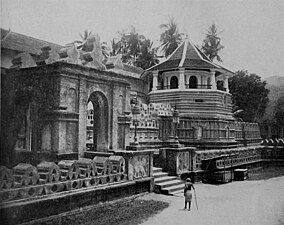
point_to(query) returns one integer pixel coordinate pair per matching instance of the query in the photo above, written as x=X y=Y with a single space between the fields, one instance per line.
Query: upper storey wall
x=197 y=103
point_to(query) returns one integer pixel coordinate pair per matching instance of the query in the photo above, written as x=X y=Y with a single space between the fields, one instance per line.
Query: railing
x=221 y=89
x=198 y=86
x=187 y=86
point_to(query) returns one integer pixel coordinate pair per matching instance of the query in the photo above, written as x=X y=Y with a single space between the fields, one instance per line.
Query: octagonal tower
x=199 y=89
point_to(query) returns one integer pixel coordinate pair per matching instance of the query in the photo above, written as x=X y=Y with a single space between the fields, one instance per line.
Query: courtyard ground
x=259 y=202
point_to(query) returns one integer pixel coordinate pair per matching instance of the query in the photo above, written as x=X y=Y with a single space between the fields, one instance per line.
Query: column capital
x=155 y=73
x=212 y=71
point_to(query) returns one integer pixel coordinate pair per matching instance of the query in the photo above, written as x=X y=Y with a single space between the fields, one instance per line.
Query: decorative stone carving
x=6 y=178
x=44 y=55
x=23 y=60
x=47 y=178
x=25 y=174
x=183 y=162
x=53 y=57
x=138 y=167
x=48 y=172
x=69 y=169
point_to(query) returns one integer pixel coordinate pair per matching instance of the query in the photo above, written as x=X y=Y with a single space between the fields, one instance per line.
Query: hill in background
x=275 y=84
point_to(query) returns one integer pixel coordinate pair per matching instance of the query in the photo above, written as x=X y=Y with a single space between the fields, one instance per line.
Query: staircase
x=165 y=184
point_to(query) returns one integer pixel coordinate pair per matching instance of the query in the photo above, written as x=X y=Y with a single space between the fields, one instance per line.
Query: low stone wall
x=247 y=132
x=70 y=184
x=236 y=156
x=274 y=150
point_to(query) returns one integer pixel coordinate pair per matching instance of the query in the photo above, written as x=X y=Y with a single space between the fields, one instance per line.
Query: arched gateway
x=98 y=121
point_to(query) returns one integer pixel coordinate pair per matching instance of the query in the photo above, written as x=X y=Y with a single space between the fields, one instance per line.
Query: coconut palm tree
x=129 y=45
x=211 y=44
x=170 y=38
x=148 y=56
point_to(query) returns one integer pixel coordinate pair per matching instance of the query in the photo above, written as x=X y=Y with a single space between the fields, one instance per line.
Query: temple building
x=76 y=124
x=61 y=102
x=199 y=89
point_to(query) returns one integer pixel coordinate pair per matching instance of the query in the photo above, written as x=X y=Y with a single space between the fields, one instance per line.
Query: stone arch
x=174 y=82
x=193 y=82
x=100 y=121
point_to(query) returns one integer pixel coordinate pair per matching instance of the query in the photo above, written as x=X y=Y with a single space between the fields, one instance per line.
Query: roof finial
x=186 y=35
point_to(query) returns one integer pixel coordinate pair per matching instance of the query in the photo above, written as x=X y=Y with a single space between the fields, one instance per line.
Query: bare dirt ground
x=237 y=203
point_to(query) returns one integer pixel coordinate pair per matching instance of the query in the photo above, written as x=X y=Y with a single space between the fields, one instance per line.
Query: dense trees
x=170 y=38
x=279 y=114
x=135 y=49
x=211 y=45
x=249 y=94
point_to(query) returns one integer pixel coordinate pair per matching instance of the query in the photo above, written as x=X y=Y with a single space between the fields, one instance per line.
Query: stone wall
x=71 y=184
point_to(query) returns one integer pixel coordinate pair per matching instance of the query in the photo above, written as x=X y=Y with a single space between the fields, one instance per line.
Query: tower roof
x=188 y=55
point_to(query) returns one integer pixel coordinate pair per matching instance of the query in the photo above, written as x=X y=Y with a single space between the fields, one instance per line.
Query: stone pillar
x=226 y=84
x=155 y=80
x=165 y=83
x=213 y=80
x=180 y=160
x=82 y=109
x=123 y=131
x=181 y=84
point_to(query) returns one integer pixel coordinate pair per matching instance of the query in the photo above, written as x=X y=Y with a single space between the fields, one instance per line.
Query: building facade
x=46 y=97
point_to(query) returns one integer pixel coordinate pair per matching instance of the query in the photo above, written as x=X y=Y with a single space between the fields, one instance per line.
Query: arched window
x=193 y=82
x=174 y=82
x=220 y=85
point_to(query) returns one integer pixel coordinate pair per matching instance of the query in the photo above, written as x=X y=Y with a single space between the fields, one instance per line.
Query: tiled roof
x=132 y=69
x=23 y=43
x=188 y=55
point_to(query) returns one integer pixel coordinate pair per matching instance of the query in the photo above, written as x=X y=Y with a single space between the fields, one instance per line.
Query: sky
x=251 y=31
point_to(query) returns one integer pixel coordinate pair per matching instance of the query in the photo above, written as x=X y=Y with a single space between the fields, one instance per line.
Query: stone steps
x=165 y=184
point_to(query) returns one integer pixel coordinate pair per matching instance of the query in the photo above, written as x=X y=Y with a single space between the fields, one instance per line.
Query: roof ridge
x=183 y=53
x=23 y=35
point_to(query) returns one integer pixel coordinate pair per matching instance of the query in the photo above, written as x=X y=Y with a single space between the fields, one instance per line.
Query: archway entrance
x=97 y=122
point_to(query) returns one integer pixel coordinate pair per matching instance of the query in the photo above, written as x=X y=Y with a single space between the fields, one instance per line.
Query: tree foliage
x=171 y=37
x=211 y=45
x=135 y=49
x=148 y=55
x=279 y=111
x=249 y=94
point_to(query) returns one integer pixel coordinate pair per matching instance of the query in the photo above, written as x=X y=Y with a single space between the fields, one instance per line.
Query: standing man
x=187 y=193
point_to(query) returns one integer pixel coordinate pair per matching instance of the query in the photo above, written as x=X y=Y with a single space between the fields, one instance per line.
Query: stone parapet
x=180 y=160
x=138 y=164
